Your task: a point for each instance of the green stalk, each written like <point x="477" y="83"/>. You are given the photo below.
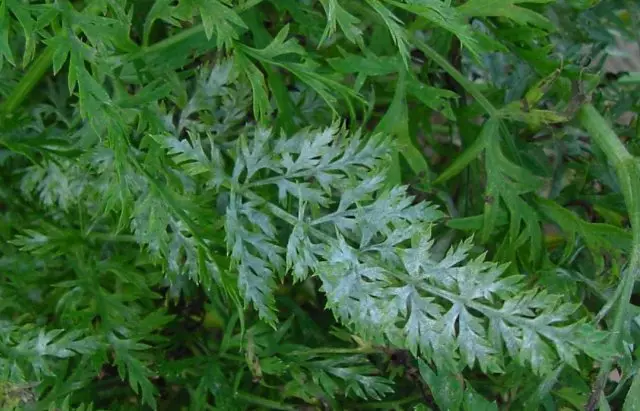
<point x="263" y="402"/>
<point x="458" y="76"/>
<point x="390" y="404"/>
<point x="262" y="38"/>
<point x="628" y="171"/>
<point x="487" y="135"/>
<point x="29" y="80"/>
<point x="45" y="60"/>
<point x="27" y="83"/>
<point x="335" y="351"/>
<point x="164" y="44"/>
<point x="482" y="100"/>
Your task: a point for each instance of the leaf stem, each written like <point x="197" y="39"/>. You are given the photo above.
<point x="107" y="237"/>
<point x="44" y="61"/>
<point x="28" y="82"/>
<point x="334" y="351"/>
<point x="390" y="404"/>
<point x="489" y="133"/>
<point x="269" y="404"/>
<point x="458" y="76"/>
<point x="628" y="171"/>
<point x="164" y="44"/>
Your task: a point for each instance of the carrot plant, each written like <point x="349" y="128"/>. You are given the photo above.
<point x="319" y="205"/>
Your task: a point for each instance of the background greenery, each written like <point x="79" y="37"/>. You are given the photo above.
<point x="333" y="204"/>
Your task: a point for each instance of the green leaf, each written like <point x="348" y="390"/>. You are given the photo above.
<point x="631" y="78"/>
<point x="447" y="389"/>
<point x="293" y="161"/>
<point x="220" y="222"/>
<point x="162" y="10"/>
<point x="394" y="25"/>
<point x="597" y="236"/>
<point x="350" y="278"/>
<point x="396" y="122"/>
<point x="443" y="15"/>
<point x="261" y="105"/>
<point x="308" y="71"/>
<point x="475" y="402"/>
<point x="507" y="8"/>
<point x="136" y="372"/>
<point x="632" y="401"/>
<point x="23" y="14"/>
<point x="348" y="23"/>
<point x="5" y="49"/>
<point x="279" y="46"/>
<point x="219" y="16"/>
<point x="507" y="183"/>
<point x="435" y="98"/>
<point x="368" y="65"/>
<point x="488" y="134"/>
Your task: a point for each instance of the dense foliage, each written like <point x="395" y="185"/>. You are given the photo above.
<point x="333" y="204"/>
